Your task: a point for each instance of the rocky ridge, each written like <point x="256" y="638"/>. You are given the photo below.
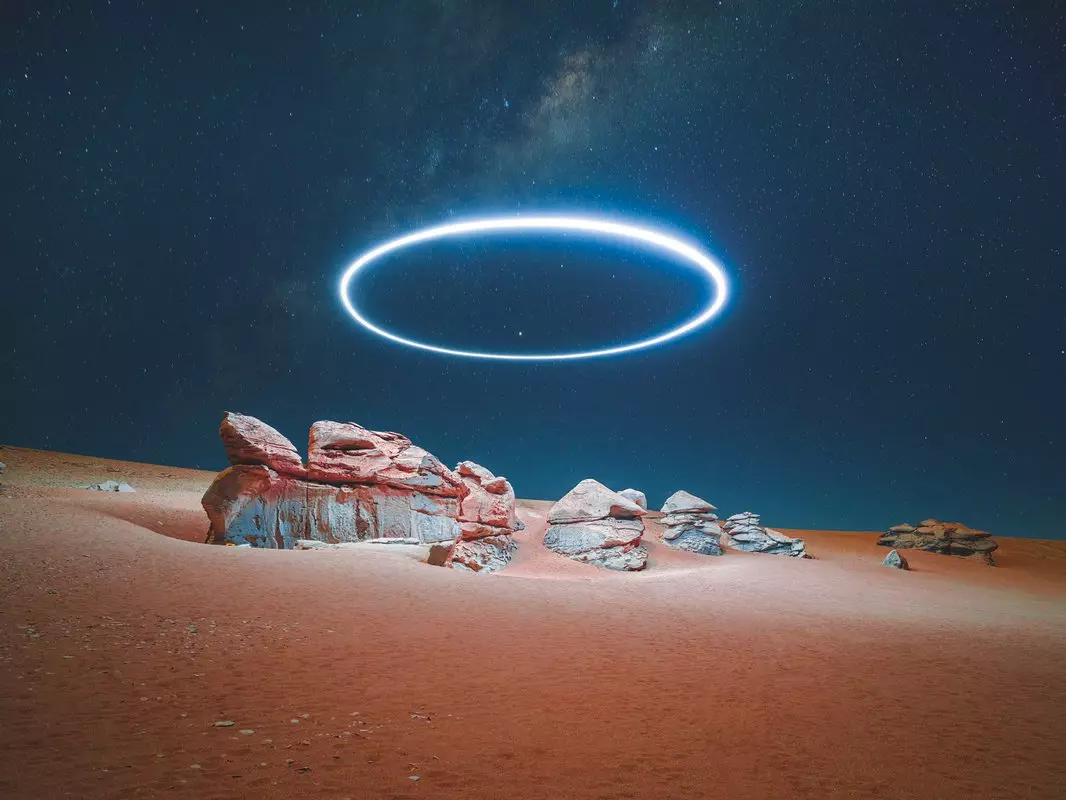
<point x="945" y="538"/>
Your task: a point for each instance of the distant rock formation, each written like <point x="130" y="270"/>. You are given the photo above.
<point x="486" y="521"/>
<point x="358" y="485"/>
<point x="691" y="524"/>
<point x="636" y="496"/>
<point x="594" y="525"/>
<point x="895" y="560"/>
<point x="946" y="538"/>
<point x="743" y="532"/>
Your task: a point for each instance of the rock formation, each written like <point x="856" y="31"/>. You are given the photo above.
<point x="946" y="538"/>
<point x="895" y="560"/>
<point x="250" y="441"/>
<point x="743" y="532"/>
<point x="592" y="524"/>
<point x="636" y="496"/>
<point x="691" y="524"/>
<point x="486" y="521"/>
<point x="358" y="485"/>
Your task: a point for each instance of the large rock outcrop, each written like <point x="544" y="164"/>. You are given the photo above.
<point x="689" y="523"/>
<point x="358" y="485"/>
<point x="486" y="521"/>
<point x="743" y="532"/>
<point x="946" y="538"/>
<point x="594" y="525"/>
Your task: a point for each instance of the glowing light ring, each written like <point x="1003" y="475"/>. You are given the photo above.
<point x="588" y="225"/>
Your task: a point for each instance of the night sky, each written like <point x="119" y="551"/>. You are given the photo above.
<point x="883" y="181"/>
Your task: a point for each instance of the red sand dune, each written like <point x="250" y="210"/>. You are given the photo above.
<point x="124" y="640"/>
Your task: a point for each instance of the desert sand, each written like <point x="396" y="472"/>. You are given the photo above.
<point x="124" y="640"/>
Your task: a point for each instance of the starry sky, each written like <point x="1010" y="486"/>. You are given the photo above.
<point x="883" y="181"/>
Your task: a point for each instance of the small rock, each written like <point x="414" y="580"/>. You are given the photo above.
<point x="195" y="766"/>
<point x="414" y="777"/>
<point x="225" y="723"/>
<point x="3" y="467"/>
<point x="895" y="560"/>
<point x="439" y="554"/>
<point x="247" y="731"/>
<point x="111" y="486"/>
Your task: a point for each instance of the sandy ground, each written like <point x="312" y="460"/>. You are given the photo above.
<point x="346" y="674"/>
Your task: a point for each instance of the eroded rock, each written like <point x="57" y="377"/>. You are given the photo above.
<point x="682" y="501"/>
<point x="743" y="532"/>
<point x="249" y="441"/>
<point x="691" y="524"/>
<point x="257" y="506"/>
<point x="347" y="453"/>
<point x="945" y="538"/>
<point x="594" y="525"/>
<point x="487" y="520"/>
<point x="591" y="500"/>
<point x="380" y="486"/>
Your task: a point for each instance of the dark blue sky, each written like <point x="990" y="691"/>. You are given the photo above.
<point x="884" y="182"/>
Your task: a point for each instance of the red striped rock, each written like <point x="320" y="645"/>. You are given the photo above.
<point x="344" y="452"/>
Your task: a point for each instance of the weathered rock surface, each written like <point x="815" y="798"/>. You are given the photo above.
<point x="636" y="496"/>
<point x="592" y="524"/>
<point x="895" y="560"/>
<point x="371" y="493"/>
<point x="487" y="521"/>
<point x="691" y="524"/>
<point x="591" y="500"/>
<point x="357" y="513"/>
<point x="249" y="441"/>
<point x="112" y="486"/>
<point x="683" y="501"/>
<point x="945" y="538"/>
<point x="485" y="554"/>
<point x="345" y="453"/>
<point x="743" y="532"/>
<point x="490" y="500"/>
<point x="257" y="506"/>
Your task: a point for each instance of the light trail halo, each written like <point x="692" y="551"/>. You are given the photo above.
<point x="556" y="224"/>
